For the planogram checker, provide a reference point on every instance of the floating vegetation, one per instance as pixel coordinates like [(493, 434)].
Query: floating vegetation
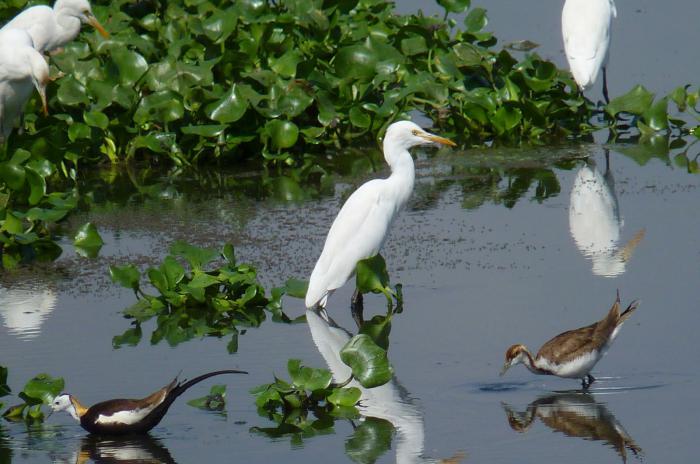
[(214, 401), (37, 392), (288, 403), (193, 302)]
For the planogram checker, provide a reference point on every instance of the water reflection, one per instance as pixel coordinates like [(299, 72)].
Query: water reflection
[(24, 309), (132, 450), (386, 410), (575, 415), (595, 222)]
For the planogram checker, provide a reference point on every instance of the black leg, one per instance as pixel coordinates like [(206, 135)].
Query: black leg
[(605, 86), (357, 308), (587, 381), (591, 379)]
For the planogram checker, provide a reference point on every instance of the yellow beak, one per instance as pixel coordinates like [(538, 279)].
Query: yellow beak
[(96, 24), (438, 139)]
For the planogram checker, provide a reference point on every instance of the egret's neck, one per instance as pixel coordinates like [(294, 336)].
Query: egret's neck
[(68, 26), (403, 173)]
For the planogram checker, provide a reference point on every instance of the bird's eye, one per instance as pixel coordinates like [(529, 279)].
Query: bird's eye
[(414, 132)]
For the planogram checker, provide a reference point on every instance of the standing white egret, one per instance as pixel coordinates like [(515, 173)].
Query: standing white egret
[(52, 28), (362, 225), (21, 68), (585, 25)]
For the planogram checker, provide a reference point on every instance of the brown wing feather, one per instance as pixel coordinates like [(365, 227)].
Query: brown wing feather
[(568, 345)]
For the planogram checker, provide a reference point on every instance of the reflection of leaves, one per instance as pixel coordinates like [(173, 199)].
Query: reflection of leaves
[(370, 440)]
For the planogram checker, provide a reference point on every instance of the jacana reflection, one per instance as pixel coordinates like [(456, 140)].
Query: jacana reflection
[(382, 408), (595, 221), (575, 415), (142, 449)]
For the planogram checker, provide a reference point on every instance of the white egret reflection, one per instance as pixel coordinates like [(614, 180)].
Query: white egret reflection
[(595, 221), (24, 309), (575, 415), (389, 402)]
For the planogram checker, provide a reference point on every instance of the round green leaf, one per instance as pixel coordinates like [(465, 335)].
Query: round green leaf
[(230, 108), (283, 134), (126, 276), (369, 362), (88, 236)]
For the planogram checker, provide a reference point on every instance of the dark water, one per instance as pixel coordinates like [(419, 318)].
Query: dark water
[(482, 267)]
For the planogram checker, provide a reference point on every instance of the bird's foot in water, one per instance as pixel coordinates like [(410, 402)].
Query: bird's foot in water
[(587, 381), (357, 308)]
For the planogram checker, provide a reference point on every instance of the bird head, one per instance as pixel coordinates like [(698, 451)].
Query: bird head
[(407, 134), (514, 355), (82, 10), (64, 402)]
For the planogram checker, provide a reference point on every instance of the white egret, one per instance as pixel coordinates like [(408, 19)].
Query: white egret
[(52, 28), (362, 225), (585, 25), (21, 68), (24, 309)]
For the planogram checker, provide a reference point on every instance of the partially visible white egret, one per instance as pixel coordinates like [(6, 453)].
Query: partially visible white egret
[(362, 225), (585, 25), (24, 309), (52, 28), (21, 68)]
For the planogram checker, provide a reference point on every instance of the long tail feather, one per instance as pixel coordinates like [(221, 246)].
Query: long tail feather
[(181, 387)]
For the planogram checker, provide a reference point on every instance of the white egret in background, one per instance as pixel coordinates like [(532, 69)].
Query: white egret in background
[(21, 69), (52, 28), (595, 222), (585, 25), (389, 402), (24, 309), (362, 225)]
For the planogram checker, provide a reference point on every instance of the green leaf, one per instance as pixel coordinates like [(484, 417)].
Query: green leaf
[(345, 396), (71, 92), (371, 275), (87, 236), (37, 186), (283, 134), (163, 106), (230, 108), (286, 65), (127, 276), (454, 6), (296, 288), (636, 101), (131, 65), (476, 20), (43, 388), (369, 362), (308, 378), (96, 119), (370, 440), (378, 328), (197, 257), (130, 337)]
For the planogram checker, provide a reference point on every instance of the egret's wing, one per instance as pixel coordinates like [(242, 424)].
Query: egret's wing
[(586, 32), (38, 22), (358, 232)]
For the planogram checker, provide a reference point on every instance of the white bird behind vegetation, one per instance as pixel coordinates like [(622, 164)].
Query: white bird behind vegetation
[(52, 28), (21, 69), (363, 223), (586, 27)]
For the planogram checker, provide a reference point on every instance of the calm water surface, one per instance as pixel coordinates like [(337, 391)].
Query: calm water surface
[(482, 268)]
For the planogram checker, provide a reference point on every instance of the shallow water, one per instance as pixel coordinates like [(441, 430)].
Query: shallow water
[(481, 268)]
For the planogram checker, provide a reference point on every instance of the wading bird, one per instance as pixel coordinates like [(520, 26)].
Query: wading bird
[(52, 28), (585, 25), (21, 68), (126, 416), (573, 354), (362, 225)]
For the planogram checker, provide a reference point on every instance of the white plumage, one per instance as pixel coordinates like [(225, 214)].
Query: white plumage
[(362, 225), (585, 26), (52, 28), (21, 68)]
